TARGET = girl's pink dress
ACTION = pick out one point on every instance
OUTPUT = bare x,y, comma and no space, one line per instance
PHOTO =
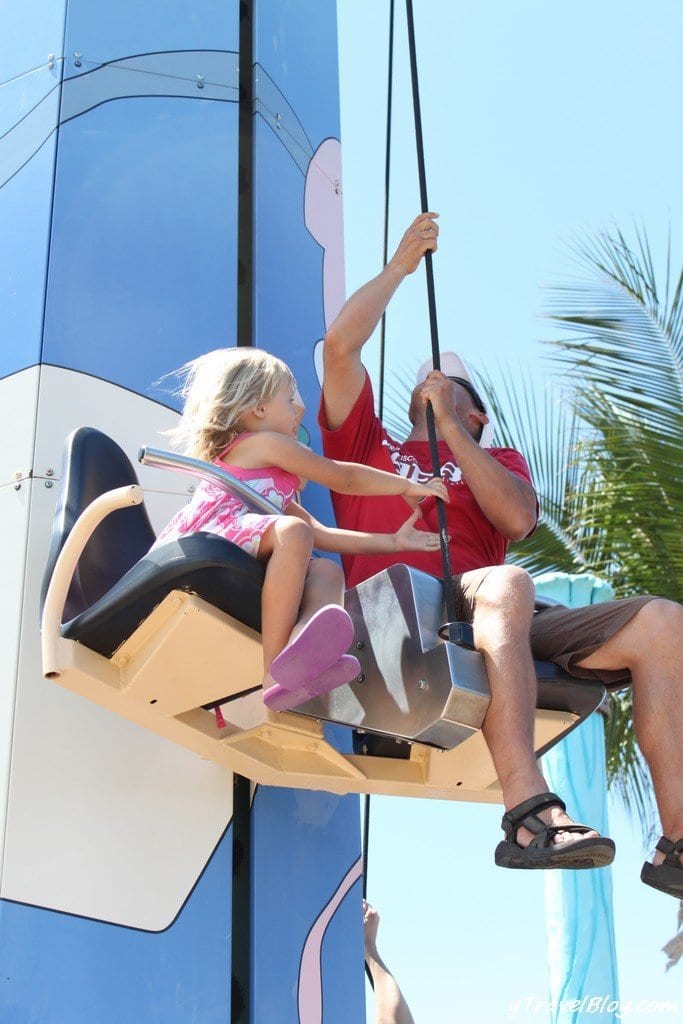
213,510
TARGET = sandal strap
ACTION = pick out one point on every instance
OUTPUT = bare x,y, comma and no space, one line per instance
671,850
531,806
525,814
544,837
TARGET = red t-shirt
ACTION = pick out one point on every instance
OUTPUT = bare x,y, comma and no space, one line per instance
362,438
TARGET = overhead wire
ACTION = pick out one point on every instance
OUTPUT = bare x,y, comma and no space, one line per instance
387,184
382,349
365,852
121,65
32,71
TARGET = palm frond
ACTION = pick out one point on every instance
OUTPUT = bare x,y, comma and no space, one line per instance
604,446
398,387
619,335
623,352
548,432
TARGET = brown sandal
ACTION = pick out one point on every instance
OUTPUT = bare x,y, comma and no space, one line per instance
595,852
667,876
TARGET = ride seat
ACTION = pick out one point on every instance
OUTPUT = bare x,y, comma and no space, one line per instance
162,636
118,581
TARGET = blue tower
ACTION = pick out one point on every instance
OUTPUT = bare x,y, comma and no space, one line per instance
142,226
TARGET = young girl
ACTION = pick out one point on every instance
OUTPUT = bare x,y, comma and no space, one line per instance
241,413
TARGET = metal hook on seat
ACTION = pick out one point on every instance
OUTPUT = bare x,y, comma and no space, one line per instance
460,633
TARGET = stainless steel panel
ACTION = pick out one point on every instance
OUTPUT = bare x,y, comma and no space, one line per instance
413,685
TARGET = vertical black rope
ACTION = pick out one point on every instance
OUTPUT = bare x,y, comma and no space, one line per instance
240,953
366,850
245,176
449,598
366,842
387,180
241,902
382,349
422,175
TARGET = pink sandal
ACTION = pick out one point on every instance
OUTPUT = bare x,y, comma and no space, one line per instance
324,639
279,698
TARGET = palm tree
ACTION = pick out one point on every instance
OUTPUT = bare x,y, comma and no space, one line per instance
606,453
607,458
604,446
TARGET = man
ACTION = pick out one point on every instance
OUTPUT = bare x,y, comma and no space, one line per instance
491,503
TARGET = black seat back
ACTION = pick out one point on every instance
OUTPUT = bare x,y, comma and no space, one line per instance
93,464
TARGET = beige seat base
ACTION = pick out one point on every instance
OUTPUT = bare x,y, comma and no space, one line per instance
187,654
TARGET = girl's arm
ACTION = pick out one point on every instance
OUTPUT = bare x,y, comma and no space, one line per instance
352,542
268,448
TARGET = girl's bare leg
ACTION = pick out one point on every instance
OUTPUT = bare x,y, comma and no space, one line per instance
294,589
324,584
286,545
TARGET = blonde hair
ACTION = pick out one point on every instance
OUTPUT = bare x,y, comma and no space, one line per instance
217,389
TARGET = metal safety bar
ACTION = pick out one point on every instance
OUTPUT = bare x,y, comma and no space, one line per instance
158,459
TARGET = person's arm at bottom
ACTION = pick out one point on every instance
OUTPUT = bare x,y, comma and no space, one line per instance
390,1004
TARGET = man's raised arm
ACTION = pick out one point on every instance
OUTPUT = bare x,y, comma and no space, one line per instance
343,371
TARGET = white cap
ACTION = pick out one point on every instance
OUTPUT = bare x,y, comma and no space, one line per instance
453,366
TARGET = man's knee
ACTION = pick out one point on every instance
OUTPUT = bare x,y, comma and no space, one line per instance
655,631
658,622
508,590
503,608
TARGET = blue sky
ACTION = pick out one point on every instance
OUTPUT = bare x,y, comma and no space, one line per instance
542,122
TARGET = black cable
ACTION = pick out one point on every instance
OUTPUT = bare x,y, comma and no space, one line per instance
366,847
241,938
366,842
385,253
387,179
449,598
240,946
245,176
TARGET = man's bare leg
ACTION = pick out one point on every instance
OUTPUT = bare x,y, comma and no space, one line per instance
651,646
503,609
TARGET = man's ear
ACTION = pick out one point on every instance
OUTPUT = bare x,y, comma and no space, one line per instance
478,420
